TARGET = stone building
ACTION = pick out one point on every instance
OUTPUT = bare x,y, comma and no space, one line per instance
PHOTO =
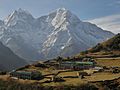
26,75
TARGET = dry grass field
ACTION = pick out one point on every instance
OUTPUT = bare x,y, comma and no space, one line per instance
112,62
77,81
102,77
64,74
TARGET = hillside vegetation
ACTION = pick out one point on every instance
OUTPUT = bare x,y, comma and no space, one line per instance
96,85
109,48
112,44
14,85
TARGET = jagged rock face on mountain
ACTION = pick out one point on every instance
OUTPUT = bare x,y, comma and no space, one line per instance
1,23
60,33
8,60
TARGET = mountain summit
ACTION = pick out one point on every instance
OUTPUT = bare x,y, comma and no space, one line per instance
18,16
60,33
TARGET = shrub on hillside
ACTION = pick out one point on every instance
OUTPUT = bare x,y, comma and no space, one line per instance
3,73
97,48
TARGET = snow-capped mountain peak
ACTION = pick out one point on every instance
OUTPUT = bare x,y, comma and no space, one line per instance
18,15
20,10
60,33
64,16
61,9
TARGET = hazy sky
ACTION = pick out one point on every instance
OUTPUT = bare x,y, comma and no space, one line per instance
104,13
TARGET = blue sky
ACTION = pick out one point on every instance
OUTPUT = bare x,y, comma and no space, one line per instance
95,11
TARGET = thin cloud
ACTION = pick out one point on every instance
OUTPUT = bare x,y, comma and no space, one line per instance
111,23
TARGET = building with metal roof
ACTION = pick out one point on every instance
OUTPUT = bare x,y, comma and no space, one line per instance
76,65
26,75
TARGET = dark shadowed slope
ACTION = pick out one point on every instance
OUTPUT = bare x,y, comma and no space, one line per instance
8,60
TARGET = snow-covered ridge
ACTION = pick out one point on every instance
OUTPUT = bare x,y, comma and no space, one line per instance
18,15
60,33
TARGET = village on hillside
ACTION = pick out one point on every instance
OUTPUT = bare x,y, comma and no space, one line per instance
65,71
